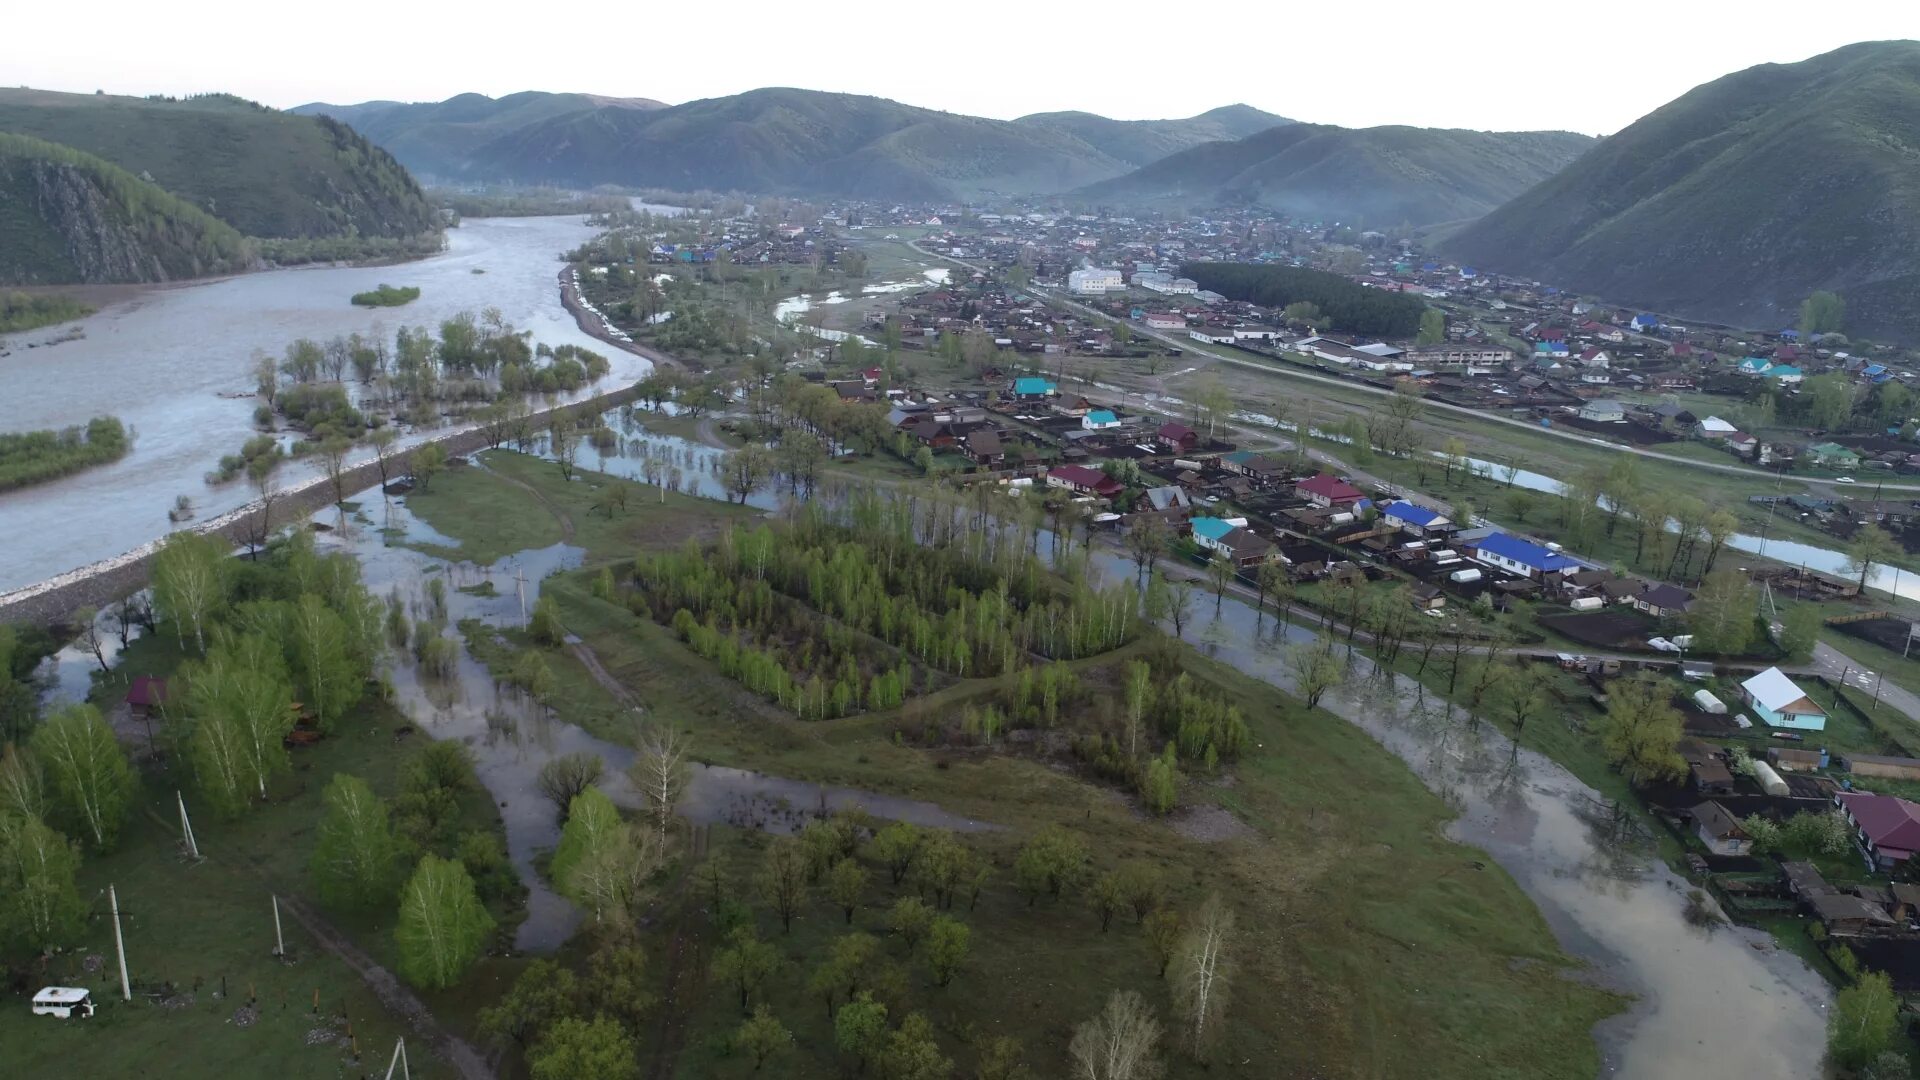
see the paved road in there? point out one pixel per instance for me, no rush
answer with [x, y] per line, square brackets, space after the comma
[1191, 346]
[1838, 666]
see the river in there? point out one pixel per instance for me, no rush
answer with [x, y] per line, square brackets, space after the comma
[162, 361]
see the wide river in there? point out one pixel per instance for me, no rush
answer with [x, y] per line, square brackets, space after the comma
[162, 361]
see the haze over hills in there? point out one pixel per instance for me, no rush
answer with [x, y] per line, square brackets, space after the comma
[265, 172]
[1382, 176]
[1741, 197]
[776, 140]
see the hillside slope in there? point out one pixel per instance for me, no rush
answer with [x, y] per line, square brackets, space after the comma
[1139, 142]
[436, 138]
[1382, 176]
[1739, 198]
[67, 216]
[267, 173]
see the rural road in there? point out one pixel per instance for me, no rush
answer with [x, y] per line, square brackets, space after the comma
[1191, 346]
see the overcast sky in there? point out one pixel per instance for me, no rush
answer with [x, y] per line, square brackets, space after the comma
[1495, 64]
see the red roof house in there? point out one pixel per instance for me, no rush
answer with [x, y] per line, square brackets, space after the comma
[1322, 489]
[1177, 436]
[1083, 480]
[147, 694]
[1888, 827]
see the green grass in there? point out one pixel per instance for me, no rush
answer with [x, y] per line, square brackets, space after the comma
[195, 925]
[1344, 874]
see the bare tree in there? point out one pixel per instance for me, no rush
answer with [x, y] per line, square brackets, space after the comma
[783, 879]
[1119, 1043]
[333, 459]
[568, 775]
[382, 440]
[1204, 976]
[1146, 540]
[565, 441]
[660, 772]
[87, 621]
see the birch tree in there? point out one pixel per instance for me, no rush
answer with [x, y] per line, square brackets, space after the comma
[23, 789]
[1118, 1044]
[1204, 976]
[355, 856]
[442, 926]
[660, 772]
[323, 659]
[189, 584]
[39, 902]
[92, 783]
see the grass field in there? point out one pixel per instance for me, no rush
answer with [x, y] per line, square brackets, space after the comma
[1357, 916]
[199, 936]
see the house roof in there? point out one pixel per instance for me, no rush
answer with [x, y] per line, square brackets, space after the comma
[1772, 690]
[1526, 552]
[1102, 416]
[983, 442]
[147, 691]
[1176, 432]
[1082, 475]
[1413, 515]
[1887, 821]
[1714, 423]
[1168, 498]
[1667, 596]
[1329, 487]
[1244, 542]
[1718, 821]
[1212, 528]
[1032, 385]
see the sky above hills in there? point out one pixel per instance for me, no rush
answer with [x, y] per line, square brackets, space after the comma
[1498, 64]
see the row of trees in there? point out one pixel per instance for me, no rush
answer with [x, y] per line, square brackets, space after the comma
[1345, 304]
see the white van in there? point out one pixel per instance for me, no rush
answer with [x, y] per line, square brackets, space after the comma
[63, 1002]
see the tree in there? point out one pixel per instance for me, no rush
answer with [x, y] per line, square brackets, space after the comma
[745, 963]
[1001, 1059]
[1763, 832]
[566, 777]
[846, 883]
[563, 439]
[910, 917]
[543, 994]
[1220, 574]
[1819, 833]
[660, 772]
[1433, 327]
[1642, 730]
[329, 676]
[1108, 896]
[1213, 402]
[1051, 862]
[383, 441]
[743, 471]
[1139, 694]
[1160, 782]
[896, 845]
[442, 926]
[617, 981]
[1871, 546]
[1887, 1065]
[189, 584]
[93, 785]
[1146, 541]
[1865, 1020]
[40, 904]
[762, 1036]
[545, 627]
[355, 856]
[783, 879]
[1162, 928]
[1822, 313]
[1175, 602]
[1205, 973]
[948, 941]
[944, 864]
[1721, 617]
[1118, 1044]
[1800, 630]
[1140, 887]
[576, 1049]
[23, 789]
[428, 461]
[603, 862]
[912, 1053]
[860, 1028]
[1315, 670]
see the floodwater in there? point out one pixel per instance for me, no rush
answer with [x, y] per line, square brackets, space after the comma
[163, 361]
[1710, 1002]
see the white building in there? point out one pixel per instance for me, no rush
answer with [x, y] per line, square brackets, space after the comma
[1095, 281]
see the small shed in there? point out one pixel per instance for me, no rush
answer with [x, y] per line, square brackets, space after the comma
[147, 696]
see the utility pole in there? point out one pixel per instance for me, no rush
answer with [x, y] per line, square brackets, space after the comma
[119, 945]
[186, 827]
[400, 1059]
[520, 589]
[279, 941]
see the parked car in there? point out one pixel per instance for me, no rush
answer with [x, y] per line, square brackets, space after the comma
[1843, 479]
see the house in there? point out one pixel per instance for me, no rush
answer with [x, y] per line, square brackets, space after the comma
[1785, 374]
[147, 696]
[1211, 335]
[1095, 282]
[1719, 830]
[1605, 412]
[1663, 601]
[1428, 597]
[1417, 520]
[1708, 772]
[1887, 828]
[1327, 491]
[1176, 437]
[1170, 500]
[983, 447]
[1207, 532]
[1466, 357]
[1255, 333]
[1259, 468]
[1715, 428]
[1032, 388]
[1083, 480]
[1781, 703]
[1522, 557]
[1644, 323]
[1163, 320]
[1829, 455]
[1099, 420]
[1236, 542]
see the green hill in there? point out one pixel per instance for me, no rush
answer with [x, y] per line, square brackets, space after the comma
[776, 140]
[436, 139]
[1139, 142]
[1383, 176]
[267, 173]
[67, 216]
[1735, 201]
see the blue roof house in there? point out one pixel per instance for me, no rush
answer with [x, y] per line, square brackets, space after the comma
[1644, 321]
[1417, 520]
[1785, 373]
[1522, 557]
[1208, 532]
[1033, 387]
[1099, 420]
[1754, 365]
